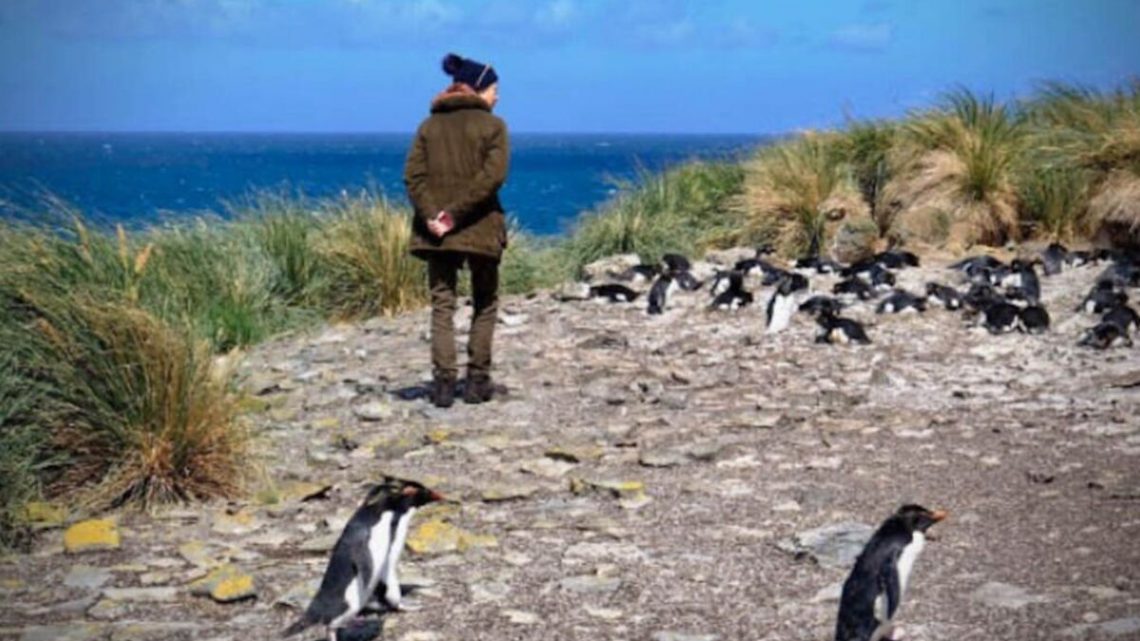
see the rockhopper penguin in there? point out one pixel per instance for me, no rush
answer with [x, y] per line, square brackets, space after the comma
[877, 584]
[362, 568]
[781, 306]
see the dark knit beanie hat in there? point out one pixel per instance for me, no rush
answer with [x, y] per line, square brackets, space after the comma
[476, 75]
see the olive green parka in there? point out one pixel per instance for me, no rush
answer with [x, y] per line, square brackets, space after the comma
[457, 163]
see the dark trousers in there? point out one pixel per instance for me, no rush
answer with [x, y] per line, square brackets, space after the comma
[443, 271]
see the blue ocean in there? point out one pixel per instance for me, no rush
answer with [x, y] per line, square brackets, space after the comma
[138, 179]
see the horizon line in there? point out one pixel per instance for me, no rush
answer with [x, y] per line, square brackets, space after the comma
[361, 132]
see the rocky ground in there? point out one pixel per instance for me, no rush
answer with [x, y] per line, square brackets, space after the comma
[679, 477]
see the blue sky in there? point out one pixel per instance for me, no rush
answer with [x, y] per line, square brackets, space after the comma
[739, 66]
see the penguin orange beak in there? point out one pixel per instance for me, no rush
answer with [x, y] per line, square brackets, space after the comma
[436, 496]
[939, 515]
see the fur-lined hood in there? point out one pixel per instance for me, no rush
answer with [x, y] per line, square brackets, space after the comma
[458, 96]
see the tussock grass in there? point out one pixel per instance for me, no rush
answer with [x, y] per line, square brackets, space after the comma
[103, 400]
[1096, 136]
[1054, 203]
[1079, 126]
[283, 226]
[795, 191]
[961, 159]
[866, 147]
[362, 248]
[1114, 210]
[217, 280]
[681, 210]
[21, 444]
[134, 407]
[531, 263]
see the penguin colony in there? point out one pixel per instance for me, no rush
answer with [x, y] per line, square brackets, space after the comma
[361, 574]
[1000, 297]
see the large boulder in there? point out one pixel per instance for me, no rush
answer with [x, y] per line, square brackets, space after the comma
[609, 267]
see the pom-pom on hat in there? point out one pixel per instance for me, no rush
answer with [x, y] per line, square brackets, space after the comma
[474, 74]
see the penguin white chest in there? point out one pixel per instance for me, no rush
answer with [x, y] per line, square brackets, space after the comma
[780, 314]
[907, 558]
[379, 540]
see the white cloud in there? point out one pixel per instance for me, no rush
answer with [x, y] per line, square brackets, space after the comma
[558, 13]
[863, 37]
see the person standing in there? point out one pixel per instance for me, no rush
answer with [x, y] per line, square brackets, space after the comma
[455, 167]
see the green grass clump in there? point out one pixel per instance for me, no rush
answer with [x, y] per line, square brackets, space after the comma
[1081, 127]
[216, 279]
[103, 400]
[362, 249]
[531, 263]
[866, 147]
[680, 210]
[284, 227]
[22, 446]
[1054, 203]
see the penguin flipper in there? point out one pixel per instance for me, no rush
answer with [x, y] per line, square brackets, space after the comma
[889, 580]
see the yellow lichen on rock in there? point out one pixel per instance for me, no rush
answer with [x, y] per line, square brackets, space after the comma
[440, 537]
[225, 584]
[433, 537]
[94, 534]
[44, 514]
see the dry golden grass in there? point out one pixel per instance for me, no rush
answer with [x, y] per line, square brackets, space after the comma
[137, 410]
[1114, 210]
[796, 191]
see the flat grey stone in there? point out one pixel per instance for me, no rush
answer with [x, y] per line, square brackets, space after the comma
[520, 617]
[662, 458]
[590, 584]
[64, 632]
[1113, 628]
[1004, 595]
[373, 411]
[75, 607]
[589, 551]
[1116, 627]
[547, 467]
[141, 595]
[151, 630]
[679, 636]
[484, 592]
[87, 577]
[606, 268]
[832, 546]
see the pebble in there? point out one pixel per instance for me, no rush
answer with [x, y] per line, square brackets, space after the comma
[520, 617]
[373, 411]
[678, 636]
[590, 584]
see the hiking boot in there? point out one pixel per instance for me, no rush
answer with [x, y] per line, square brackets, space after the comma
[443, 391]
[478, 390]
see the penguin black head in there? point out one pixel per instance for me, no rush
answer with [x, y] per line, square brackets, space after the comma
[917, 518]
[401, 494]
